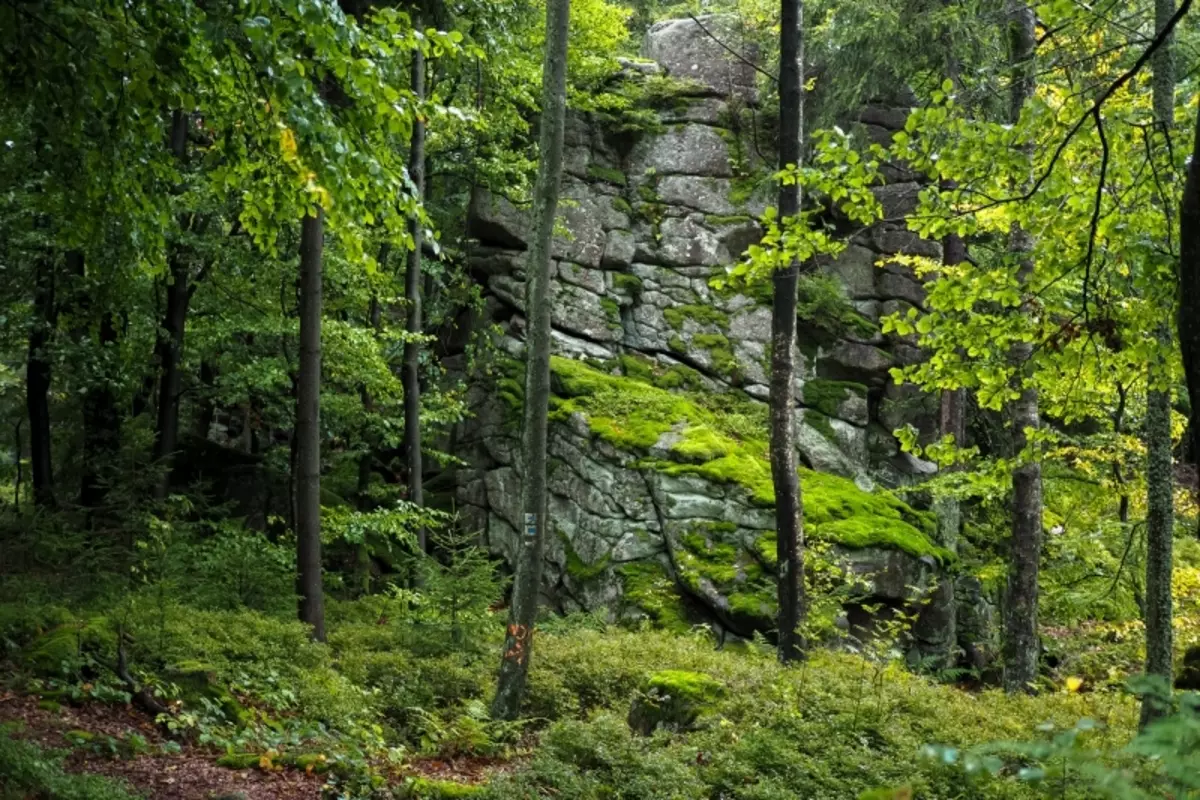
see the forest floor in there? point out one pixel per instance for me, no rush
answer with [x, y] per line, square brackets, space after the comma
[193, 772]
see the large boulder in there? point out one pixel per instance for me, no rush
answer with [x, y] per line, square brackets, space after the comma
[691, 49]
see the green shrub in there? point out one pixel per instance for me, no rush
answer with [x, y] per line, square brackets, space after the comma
[27, 771]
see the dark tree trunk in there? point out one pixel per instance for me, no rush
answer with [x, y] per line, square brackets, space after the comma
[37, 385]
[789, 513]
[1021, 642]
[308, 429]
[101, 424]
[1160, 477]
[412, 295]
[170, 337]
[170, 350]
[518, 641]
[208, 406]
[1188, 318]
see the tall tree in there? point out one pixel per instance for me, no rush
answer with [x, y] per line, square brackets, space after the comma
[518, 641]
[169, 342]
[1021, 643]
[412, 295]
[308, 427]
[37, 384]
[789, 513]
[1160, 479]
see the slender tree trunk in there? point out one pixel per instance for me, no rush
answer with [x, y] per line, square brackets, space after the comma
[208, 406]
[37, 385]
[789, 513]
[1188, 317]
[170, 350]
[101, 418]
[362, 560]
[308, 428]
[412, 296]
[1021, 642]
[170, 338]
[941, 637]
[518, 641]
[1160, 478]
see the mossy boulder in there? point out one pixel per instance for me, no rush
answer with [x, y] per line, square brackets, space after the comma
[673, 699]
[198, 686]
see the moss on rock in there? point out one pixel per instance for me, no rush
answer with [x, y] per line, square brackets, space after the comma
[718, 444]
[673, 699]
[700, 314]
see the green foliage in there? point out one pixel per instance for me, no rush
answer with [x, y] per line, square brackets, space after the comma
[29, 771]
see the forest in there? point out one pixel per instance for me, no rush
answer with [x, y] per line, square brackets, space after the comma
[599, 399]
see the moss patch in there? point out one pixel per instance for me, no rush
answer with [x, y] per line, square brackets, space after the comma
[724, 439]
[625, 282]
[648, 588]
[607, 174]
[701, 315]
[827, 396]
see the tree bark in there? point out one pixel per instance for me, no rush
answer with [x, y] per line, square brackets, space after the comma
[412, 295]
[1188, 317]
[1160, 478]
[942, 635]
[101, 419]
[308, 429]
[789, 513]
[1021, 642]
[37, 385]
[170, 338]
[518, 641]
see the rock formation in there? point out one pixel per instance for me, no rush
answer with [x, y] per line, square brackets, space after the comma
[660, 486]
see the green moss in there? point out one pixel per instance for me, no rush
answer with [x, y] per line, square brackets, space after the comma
[694, 686]
[827, 396]
[676, 344]
[673, 699]
[647, 587]
[625, 282]
[701, 315]
[680, 377]
[637, 366]
[434, 789]
[721, 353]
[717, 220]
[238, 760]
[821, 424]
[622, 205]
[578, 568]
[612, 309]
[648, 193]
[718, 443]
[607, 174]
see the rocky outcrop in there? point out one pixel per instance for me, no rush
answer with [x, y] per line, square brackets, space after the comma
[660, 493]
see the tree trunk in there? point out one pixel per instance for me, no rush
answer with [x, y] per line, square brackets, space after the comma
[170, 350]
[170, 337]
[1160, 477]
[1188, 317]
[518, 641]
[1021, 643]
[362, 560]
[308, 429]
[101, 418]
[789, 513]
[208, 405]
[37, 385]
[412, 295]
